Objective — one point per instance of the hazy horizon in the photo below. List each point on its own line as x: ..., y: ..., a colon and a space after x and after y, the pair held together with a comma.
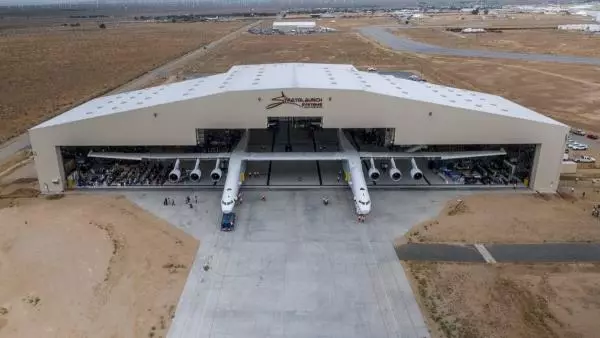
x: 250, y: 3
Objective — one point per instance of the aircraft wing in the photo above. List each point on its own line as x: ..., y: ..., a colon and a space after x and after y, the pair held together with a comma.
x: 157, y: 156
x: 295, y: 156
x: 433, y: 155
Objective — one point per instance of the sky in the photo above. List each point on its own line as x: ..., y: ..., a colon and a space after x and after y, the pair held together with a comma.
x: 326, y: 2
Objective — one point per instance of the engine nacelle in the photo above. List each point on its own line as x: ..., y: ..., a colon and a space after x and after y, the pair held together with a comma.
x: 374, y: 173
x: 175, y: 174
x: 395, y: 173
x: 216, y: 173
x: 196, y: 174
x: 415, y: 172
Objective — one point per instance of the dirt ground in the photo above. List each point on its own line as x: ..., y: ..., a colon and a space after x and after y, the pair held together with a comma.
x: 514, y: 218
x: 88, y: 266
x: 48, y: 70
x: 543, y: 41
x: 334, y: 47
x: 506, y: 300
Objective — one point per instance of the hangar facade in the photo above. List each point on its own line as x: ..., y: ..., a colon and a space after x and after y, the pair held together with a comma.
x: 334, y: 97
x: 297, y: 26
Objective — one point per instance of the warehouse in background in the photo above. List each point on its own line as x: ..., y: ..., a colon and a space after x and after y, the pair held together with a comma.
x: 294, y: 26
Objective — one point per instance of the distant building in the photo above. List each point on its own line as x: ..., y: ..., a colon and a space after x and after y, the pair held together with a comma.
x: 581, y: 27
x: 473, y: 30
x: 322, y: 16
x: 294, y: 26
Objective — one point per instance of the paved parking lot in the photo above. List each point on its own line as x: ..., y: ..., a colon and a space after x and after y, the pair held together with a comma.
x: 297, y: 268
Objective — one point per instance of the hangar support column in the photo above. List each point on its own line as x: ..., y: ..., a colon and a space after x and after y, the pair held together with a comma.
x: 545, y: 173
x: 49, y: 165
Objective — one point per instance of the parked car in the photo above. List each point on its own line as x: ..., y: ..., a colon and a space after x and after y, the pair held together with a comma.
x: 585, y: 159
x: 578, y: 132
x: 416, y: 78
x: 228, y: 222
x: 372, y: 69
x: 592, y: 136
x: 577, y: 146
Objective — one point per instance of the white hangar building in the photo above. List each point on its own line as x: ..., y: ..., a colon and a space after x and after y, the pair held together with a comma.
x: 298, y: 26
x: 334, y: 97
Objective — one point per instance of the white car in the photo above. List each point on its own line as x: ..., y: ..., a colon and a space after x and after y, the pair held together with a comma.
x: 585, y: 159
x: 371, y: 69
x: 416, y: 78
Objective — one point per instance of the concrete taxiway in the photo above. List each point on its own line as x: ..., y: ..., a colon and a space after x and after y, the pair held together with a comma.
x: 295, y: 267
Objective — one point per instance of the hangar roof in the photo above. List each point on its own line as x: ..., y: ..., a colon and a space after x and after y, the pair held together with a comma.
x: 297, y: 75
x: 294, y: 23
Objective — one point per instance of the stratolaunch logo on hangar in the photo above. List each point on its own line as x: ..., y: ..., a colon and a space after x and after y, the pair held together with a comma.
x: 302, y: 102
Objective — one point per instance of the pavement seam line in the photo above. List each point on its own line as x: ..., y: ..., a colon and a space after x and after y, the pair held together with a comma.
x: 483, y: 251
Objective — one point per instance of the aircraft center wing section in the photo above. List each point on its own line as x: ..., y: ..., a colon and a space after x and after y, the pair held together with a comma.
x: 296, y: 156
x: 157, y: 156
x: 434, y: 155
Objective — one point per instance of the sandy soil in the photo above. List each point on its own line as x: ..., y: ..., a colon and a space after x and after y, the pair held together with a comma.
x: 350, y: 23
x: 480, y: 300
x: 48, y: 71
x: 544, y: 41
x: 11, y: 163
x: 88, y: 266
x: 513, y: 218
x: 336, y: 47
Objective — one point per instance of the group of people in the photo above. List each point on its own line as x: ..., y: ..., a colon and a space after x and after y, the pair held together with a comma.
x: 253, y: 174
x: 188, y: 200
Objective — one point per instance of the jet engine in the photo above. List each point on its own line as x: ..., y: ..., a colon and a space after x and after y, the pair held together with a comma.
x: 395, y: 173
x: 216, y: 173
x: 175, y: 174
x: 415, y: 172
x: 374, y: 173
x: 196, y: 173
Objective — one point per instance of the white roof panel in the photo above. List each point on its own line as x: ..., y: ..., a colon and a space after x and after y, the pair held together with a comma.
x: 297, y: 75
x: 294, y: 23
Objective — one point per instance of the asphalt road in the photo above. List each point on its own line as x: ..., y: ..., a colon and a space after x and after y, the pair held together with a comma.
x: 504, y: 253
x: 14, y: 145
x: 548, y: 252
x: 384, y: 37
x: 438, y: 253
